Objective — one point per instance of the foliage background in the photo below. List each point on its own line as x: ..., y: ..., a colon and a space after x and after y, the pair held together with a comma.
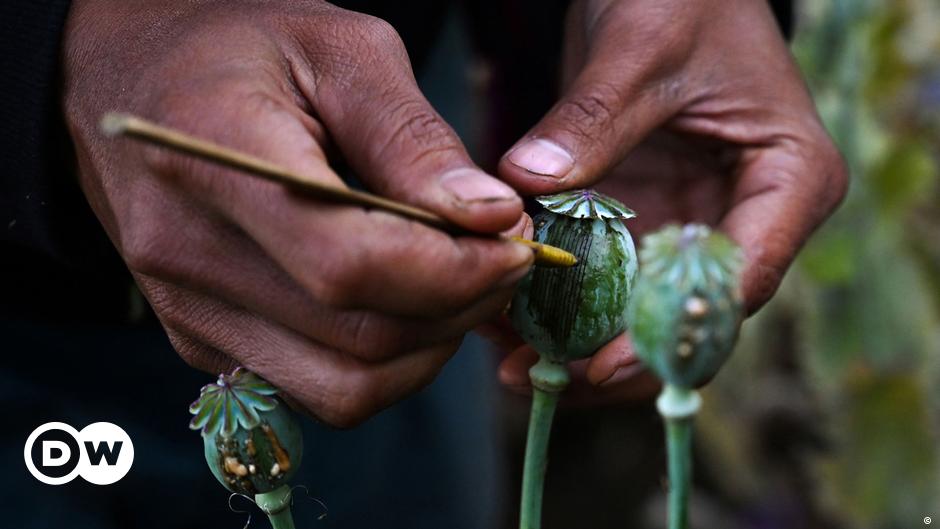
x: 827, y: 416
x: 860, y: 314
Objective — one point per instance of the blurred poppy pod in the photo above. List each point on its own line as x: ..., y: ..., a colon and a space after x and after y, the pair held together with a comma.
x: 252, y: 441
x: 568, y: 313
x: 686, y: 309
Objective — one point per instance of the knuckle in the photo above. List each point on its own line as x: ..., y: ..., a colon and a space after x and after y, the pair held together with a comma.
x: 589, y: 112
x: 424, y: 127
x: 175, y: 311
x: 824, y: 171
x: 458, y: 277
x: 175, y: 110
x: 172, y: 108
x: 188, y: 350
x: 329, y: 292
x: 371, y: 339
x: 378, y: 34
x: 417, y: 132
x: 200, y: 356
x: 354, y: 405
x: 469, y: 287
x: 203, y: 111
x: 363, y: 393
x: 165, y: 304
x: 432, y: 370
x: 335, y: 284
x: 462, y: 295
x: 138, y: 253
x: 350, y: 48
x: 147, y: 249
x: 186, y: 314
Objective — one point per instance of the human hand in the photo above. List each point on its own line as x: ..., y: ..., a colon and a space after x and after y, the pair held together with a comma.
x: 345, y: 310
x: 686, y: 111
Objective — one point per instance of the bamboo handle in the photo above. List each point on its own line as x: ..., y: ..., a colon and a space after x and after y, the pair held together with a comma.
x: 114, y: 124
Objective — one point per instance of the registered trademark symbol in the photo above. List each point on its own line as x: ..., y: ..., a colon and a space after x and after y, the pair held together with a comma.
x: 927, y: 520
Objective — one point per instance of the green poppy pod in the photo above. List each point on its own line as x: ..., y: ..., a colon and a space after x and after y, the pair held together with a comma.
x: 686, y: 308
x: 568, y: 313
x: 252, y: 440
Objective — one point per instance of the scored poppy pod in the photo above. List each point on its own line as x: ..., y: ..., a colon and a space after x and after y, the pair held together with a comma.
x: 568, y: 313
x: 251, y: 439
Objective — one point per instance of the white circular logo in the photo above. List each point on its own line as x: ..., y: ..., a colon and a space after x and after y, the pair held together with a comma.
x: 108, y: 453
x: 102, y: 453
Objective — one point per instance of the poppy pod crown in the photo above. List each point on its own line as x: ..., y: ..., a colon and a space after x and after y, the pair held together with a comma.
x: 252, y: 441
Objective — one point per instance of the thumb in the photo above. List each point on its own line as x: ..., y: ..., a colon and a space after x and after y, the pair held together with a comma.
x: 397, y: 143
x: 615, y: 100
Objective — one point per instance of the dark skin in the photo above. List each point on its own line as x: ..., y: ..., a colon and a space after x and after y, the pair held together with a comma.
x: 346, y: 311
x: 349, y: 311
x: 688, y: 112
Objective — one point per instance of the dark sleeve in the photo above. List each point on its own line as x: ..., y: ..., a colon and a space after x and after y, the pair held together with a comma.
x: 56, y: 262
x: 783, y: 10
x: 41, y: 206
x: 30, y: 35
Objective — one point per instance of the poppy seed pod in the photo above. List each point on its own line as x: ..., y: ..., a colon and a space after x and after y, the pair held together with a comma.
x: 568, y: 313
x: 686, y: 309
x: 252, y: 441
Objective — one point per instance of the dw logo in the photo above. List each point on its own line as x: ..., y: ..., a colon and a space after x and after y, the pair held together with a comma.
x: 102, y: 453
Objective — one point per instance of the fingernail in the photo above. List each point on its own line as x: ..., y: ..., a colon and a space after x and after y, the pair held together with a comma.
x: 529, y: 230
x: 471, y: 185
x: 622, y: 375
x: 542, y: 157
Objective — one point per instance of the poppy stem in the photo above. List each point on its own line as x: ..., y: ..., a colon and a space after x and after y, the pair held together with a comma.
x: 276, y: 504
x: 548, y: 381
x: 678, y: 407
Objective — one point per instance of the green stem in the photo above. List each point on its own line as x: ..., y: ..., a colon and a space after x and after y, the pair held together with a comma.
x: 679, y: 442
x: 548, y: 380
x: 678, y: 407
x: 276, y: 504
x: 536, y: 458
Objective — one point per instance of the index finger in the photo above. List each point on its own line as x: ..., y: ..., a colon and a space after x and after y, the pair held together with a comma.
x: 344, y: 256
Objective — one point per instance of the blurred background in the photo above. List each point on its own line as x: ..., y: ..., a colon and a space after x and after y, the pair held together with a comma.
x: 828, y: 413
